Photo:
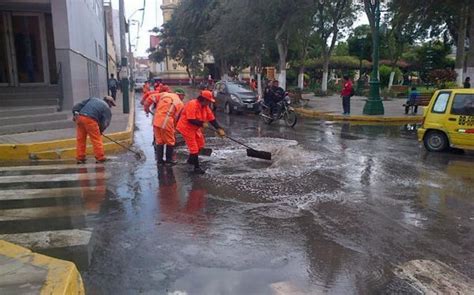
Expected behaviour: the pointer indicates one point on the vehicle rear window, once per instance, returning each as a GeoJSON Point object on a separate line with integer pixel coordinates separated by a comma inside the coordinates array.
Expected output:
{"type": "Point", "coordinates": [441, 102]}
{"type": "Point", "coordinates": [233, 88]}
{"type": "Point", "coordinates": [463, 104]}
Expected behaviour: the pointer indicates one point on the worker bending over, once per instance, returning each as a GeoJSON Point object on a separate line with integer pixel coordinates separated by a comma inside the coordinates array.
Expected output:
{"type": "Point", "coordinates": [168, 107]}
{"type": "Point", "coordinates": [92, 117]}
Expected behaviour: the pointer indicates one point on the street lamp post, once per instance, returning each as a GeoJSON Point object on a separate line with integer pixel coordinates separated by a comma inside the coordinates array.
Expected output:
{"type": "Point", "coordinates": [374, 105]}
{"type": "Point", "coordinates": [125, 82]}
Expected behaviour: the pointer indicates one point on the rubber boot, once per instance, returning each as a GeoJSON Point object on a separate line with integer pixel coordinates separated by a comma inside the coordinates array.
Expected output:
{"type": "Point", "coordinates": [159, 149]}
{"type": "Point", "coordinates": [169, 155]}
{"type": "Point", "coordinates": [190, 160]}
{"type": "Point", "coordinates": [197, 168]}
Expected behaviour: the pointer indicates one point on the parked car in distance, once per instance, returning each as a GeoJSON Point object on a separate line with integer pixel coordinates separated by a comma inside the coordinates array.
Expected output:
{"type": "Point", "coordinates": [448, 120]}
{"type": "Point", "coordinates": [139, 82]}
{"type": "Point", "coordinates": [232, 97]}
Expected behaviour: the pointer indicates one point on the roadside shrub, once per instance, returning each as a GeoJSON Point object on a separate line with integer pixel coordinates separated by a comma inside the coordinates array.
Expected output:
{"type": "Point", "coordinates": [385, 75]}
{"type": "Point", "coordinates": [441, 77]}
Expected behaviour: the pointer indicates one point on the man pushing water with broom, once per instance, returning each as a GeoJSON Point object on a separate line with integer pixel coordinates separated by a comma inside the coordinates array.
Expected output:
{"type": "Point", "coordinates": [195, 116]}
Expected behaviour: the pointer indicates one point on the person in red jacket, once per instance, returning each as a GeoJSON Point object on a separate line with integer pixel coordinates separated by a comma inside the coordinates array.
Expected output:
{"type": "Point", "coordinates": [194, 117]}
{"type": "Point", "coordinates": [346, 94]}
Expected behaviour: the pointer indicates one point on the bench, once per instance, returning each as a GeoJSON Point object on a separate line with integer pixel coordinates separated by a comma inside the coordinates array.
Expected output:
{"type": "Point", "coordinates": [399, 90]}
{"type": "Point", "coordinates": [421, 100]}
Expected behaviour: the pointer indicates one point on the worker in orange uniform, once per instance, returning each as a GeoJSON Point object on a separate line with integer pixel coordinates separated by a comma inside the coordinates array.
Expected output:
{"type": "Point", "coordinates": [168, 108]}
{"type": "Point", "coordinates": [151, 96]}
{"type": "Point", "coordinates": [196, 115]}
{"type": "Point", "coordinates": [92, 117]}
{"type": "Point", "coordinates": [146, 87]}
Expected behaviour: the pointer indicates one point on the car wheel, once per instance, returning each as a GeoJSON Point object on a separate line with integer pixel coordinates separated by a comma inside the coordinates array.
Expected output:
{"type": "Point", "coordinates": [435, 141]}
{"type": "Point", "coordinates": [227, 108]}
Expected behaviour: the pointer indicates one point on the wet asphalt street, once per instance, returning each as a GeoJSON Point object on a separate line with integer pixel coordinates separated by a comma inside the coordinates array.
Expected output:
{"type": "Point", "coordinates": [338, 210]}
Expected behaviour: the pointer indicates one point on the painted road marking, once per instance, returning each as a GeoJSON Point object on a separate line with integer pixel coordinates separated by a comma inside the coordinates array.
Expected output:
{"type": "Point", "coordinates": [50, 167]}
{"type": "Point", "coordinates": [54, 177]}
{"type": "Point", "coordinates": [434, 277]}
{"type": "Point", "coordinates": [40, 212]}
{"type": "Point", "coordinates": [58, 226]}
{"type": "Point", "coordinates": [26, 194]}
{"type": "Point", "coordinates": [51, 239]}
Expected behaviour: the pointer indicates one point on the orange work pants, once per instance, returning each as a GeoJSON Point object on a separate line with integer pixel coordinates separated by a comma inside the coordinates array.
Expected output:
{"type": "Point", "coordinates": [194, 140]}
{"type": "Point", "coordinates": [88, 126]}
{"type": "Point", "coordinates": [164, 136]}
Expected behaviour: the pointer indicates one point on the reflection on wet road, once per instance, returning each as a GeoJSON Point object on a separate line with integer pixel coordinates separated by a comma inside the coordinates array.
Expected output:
{"type": "Point", "coordinates": [339, 208]}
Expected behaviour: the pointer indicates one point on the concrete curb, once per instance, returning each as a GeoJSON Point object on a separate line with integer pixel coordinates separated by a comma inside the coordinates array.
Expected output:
{"type": "Point", "coordinates": [358, 118]}
{"type": "Point", "coordinates": [65, 148]}
{"type": "Point", "coordinates": [31, 270]}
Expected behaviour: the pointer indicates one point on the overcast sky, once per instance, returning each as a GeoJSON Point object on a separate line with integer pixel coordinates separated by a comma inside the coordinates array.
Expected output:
{"type": "Point", "coordinates": [153, 17]}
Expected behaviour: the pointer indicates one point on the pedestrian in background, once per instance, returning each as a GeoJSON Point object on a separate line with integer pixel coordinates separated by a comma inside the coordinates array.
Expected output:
{"type": "Point", "coordinates": [346, 93]}
{"type": "Point", "coordinates": [113, 85]}
{"type": "Point", "coordinates": [412, 100]}
{"type": "Point", "coordinates": [92, 117]}
{"type": "Point", "coordinates": [467, 82]}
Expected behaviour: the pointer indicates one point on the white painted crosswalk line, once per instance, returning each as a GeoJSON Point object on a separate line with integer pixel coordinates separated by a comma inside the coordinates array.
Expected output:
{"type": "Point", "coordinates": [51, 239]}
{"type": "Point", "coordinates": [54, 177]}
{"type": "Point", "coordinates": [50, 167]}
{"type": "Point", "coordinates": [40, 212]}
{"type": "Point", "coordinates": [53, 221]}
{"type": "Point", "coordinates": [27, 194]}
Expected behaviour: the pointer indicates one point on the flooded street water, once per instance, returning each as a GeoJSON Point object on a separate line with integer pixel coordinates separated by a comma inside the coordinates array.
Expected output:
{"type": "Point", "coordinates": [338, 209]}
{"type": "Point", "coordinates": [341, 209]}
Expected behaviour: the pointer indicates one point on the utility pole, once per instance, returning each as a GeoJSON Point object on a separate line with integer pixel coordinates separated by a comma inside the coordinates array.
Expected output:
{"type": "Point", "coordinates": [123, 63]}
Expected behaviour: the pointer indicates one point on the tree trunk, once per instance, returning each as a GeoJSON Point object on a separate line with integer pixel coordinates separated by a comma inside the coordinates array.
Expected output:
{"type": "Point", "coordinates": [282, 52]}
{"type": "Point", "coordinates": [470, 57]}
{"type": "Point", "coordinates": [259, 85]}
{"type": "Point", "coordinates": [281, 39]}
{"type": "Point", "coordinates": [390, 81]}
{"type": "Point", "coordinates": [324, 82]}
{"type": "Point", "coordinates": [460, 45]}
{"type": "Point", "coordinates": [301, 78]}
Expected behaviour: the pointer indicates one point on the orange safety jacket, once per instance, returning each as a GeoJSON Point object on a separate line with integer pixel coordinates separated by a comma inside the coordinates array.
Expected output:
{"type": "Point", "coordinates": [167, 111]}
{"type": "Point", "coordinates": [194, 110]}
{"type": "Point", "coordinates": [146, 88]}
{"type": "Point", "coordinates": [152, 97]}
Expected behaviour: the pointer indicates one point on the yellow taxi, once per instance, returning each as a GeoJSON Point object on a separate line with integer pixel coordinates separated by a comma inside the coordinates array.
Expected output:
{"type": "Point", "coordinates": [448, 120]}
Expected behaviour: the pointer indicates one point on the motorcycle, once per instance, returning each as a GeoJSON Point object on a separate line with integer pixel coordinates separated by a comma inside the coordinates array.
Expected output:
{"type": "Point", "coordinates": [287, 113]}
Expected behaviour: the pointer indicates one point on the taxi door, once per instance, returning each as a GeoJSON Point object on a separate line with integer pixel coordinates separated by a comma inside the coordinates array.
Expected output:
{"type": "Point", "coordinates": [460, 119]}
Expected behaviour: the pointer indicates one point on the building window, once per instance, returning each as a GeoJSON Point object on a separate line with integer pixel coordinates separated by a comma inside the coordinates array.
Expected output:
{"type": "Point", "coordinates": [175, 66]}
{"type": "Point", "coordinates": [101, 53]}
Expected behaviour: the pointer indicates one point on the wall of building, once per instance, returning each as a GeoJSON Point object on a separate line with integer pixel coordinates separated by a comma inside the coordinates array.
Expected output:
{"type": "Point", "coordinates": [80, 48]}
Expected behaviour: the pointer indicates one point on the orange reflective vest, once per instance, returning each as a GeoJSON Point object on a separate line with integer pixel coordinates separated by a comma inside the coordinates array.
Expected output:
{"type": "Point", "coordinates": [167, 111]}
{"type": "Point", "coordinates": [152, 97]}
{"type": "Point", "coordinates": [194, 110]}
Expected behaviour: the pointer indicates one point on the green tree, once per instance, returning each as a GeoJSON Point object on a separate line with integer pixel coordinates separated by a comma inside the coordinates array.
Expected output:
{"type": "Point", "coordinates": [330, 18]}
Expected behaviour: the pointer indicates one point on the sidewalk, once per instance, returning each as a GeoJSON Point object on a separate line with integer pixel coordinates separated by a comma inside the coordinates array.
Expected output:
{"type": "Point", "coordinates": [330, 108]}
{"type": "Point", "coordinates": [60, 143]}
{"type": "Point", "coordinates": [26, 272]}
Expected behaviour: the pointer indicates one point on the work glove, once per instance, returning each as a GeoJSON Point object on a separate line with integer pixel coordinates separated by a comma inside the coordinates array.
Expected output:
{"type": "Point", "coordinates": [220, 132]}
{"type": "Point", "coordinates": [74, 116]}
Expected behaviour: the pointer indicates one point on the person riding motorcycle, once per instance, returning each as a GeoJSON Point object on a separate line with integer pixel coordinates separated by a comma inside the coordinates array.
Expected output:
{"type": "Point", "coordinates": [276, 95]}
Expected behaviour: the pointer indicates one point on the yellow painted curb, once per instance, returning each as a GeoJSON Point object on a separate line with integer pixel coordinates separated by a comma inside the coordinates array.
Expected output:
{"type": "Point", "coordinates": [358, 118]}
{"type": "Point", "coordinates": [62, 276]}
{"type": "Point", "coordinates": [61, 149]}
